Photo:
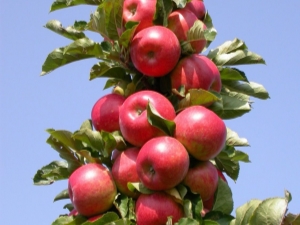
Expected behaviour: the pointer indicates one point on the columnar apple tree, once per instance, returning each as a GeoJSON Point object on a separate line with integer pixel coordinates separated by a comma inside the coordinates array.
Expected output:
{"type": "Point", "coordinates": [155, 150]}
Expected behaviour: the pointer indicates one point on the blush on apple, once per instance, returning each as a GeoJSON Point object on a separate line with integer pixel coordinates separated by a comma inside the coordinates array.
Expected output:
{"type": "Point", "coordinates": [141, 11]}
{"type": "Point", "coordinates": [197, 7]}
{"type": "Point", "coordinates": [124, 170]}
{"type": "Point", "coordinates": [201, 131]}
{"type": "Point", "coordinates": [202, 179]}
{"type": "Point", "coordinates": [134, 124]}
{"type": "Point", "coordinates": [195, 72]}
{"type": "Point", "coordinates": [162, 163]}
{"type": "Point", "coordinates": [155, 51]}
{"type": "Point", "coordinates": [105, 112]}
{"type": "Point", "coordinates": [154, 209]}
{"type": "Point", "coordinates": [92, 189]}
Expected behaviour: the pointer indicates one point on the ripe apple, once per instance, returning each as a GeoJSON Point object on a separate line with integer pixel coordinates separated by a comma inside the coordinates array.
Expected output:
{"type": "Point", "coordinates": [180, 21]}
{"type": "Point", "coordinates": [197, 7]}
{"type": "Point", "coordinates": [202, 179]}
{"type": "Point", "coordinates": [201, 131]}
{"type": "Point", "coordinates": [155, 51]}
{"type": "Point", "coordinates": [92, 189]}
{"type": "Point", "coordinates": [162, 163]}
{"type": "Point", "coordinates": [124, 170]}
{"type": "Point", "coordinates": [208, 204]}
{"type": "Point", "coordinates": [105, 112]}
{"type": "Point", "coordinates": [195, 72]}
{"type": "Point", "coordinates": [154, 209]}
{"type": "Point", "coordinates": [139, 11]}
{"type": "Point", "coordinates": [134, 124]}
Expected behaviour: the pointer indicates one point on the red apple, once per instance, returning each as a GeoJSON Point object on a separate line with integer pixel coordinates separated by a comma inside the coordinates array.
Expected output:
{"type": "Point", "coordinates": [180, 21]}
{"type": "Point", "coordinates": [134, 124]}
{"type": "Point", "coordinates": [197, 7]}
{"type": "Point", "coordinates": [105, 112]}
{"type": "Point", "coordinates": [91, 189]}
{"type": "Point", "coordinates": [124, 170]}
{"type": "Point", "coordinates": [154, 209]}
{"type": "Point", "coordinates": [195, 72]}
{"type": "Point", "coordinates": [201, 131]}
{"type": "Point", "coordinates": [202, 179]}
{"type": "Point", "coordinates": [141, 11]}
{"type": "Point", "coordinates": [162, 163]}
{"type": "Point", "coordinates": [94, 218]}
{"type": "Point", "coordinates": [155, 51]}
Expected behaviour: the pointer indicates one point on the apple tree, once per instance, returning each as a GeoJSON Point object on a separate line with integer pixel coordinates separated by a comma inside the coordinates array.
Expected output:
{"type": "Point", "coordinates": [155, 150]}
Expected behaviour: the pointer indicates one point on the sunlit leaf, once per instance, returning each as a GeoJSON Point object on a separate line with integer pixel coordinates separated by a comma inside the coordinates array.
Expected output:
{"type": "Point", "coordinates": [232, 74]}
{"type": "Point", "coordinates": [69, 220]}
{"type": "Point", "coordinates": [61, 4]}
{"type": "Point", "coordinates": [244, 212]}
{"type": "Point", "coordinates": [225, 163]}
{"type": "Point", "coordinates": [187, 221]}
{"type": "Point", "coordinates": [105, 219]}
{"type": "Point", "coordinates": [103, 69]}
{"type": "Point", "coordinates": [223, 198]}
{"type": "Point", "coordinates": [233, 139]}
{"type": "Point", "coordinates": [137, 186]}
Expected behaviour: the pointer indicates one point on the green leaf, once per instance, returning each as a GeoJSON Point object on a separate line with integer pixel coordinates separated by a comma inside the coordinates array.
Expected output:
{"type": "Point", "coordinates": [103, 69]}
{"type": "Point", "coordinates": [225, 163]}
{"type": "Point", "coordinates": [121, 204]}
{"type": "Point", "coordinates": [87, 124]}
{"type": "Point", "coordinates": [62, 195]}
{"type": "Point", "coordinates": [187, 221]}
{"type": "Point", "coordinates": [92, 139]}
{"type": "Point", "coordinates": [269, 211]}
{"type": "Point", "coordinates": [58, 58]}
{"type": "Point", "coordinates": [234, 53]}
{"type": "Point", "coordinates": [61, 4]}
{"type": "Point", "coordinates": [194, 208]}
{"type": "Point", "coordinates": [66, 138]}
{"type": "Point", "coordinates": [251, 88]}
{"type": "Point", "coordinates": [232, 74]}
{"type": "Point", "coordinates": [210, 222]}
{"type": "Point", "coordinates": [128, 34]}
{"type": "Point", "coordinates": [80, 25]}
{"type": "Point", "coordinates": [241, 156]}
{"type": "Point", "coordinates": [163, 10]}
{"type": "Point", "coordinates": [85, 46]}
{"type": "Point", "coordinates": [137, 186]}
{"type": "Point", "coordinates": [197, 97]}
{"type": "Point", "coordinates": [223, 198]}
{"type": "Point", "coordinates": [233, 139]}
{"type": "Point", "coordinates": [69, 220]}
{"type": "Point", "coordinates": [291, 219]}
{"type": "Point", "coordinates": [244, 212]}
{"type": "Point", "coordinates": [167, 126]}
{"type": "Point", "coordinates": [106, 219]}
{"type": "Point", "coordinates": [211, 33]}
{"type": "Point", "coordinates": [68, 32]}
{"type": "Point", "coordinates": [219, 217]}
{"type": "Point", "coordinates": [57, 170]}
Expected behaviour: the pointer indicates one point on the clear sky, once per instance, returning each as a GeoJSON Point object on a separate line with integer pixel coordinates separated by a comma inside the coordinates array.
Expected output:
{"type": "Point", "coordinates": [63, 100]}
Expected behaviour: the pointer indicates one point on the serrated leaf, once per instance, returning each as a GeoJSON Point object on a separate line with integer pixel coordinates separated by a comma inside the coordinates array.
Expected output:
{"type": "Point", "coordinates": [225, 163]}
{"type": "Point", "coordinates": [167, 126]}
{"type": "Point", "coordinates": [58, 58]}
{"type": "Point", "coordinates": [232, 74]}
{"type": "Point", "coordinates": [163, 10]}
{"type": "Point", "coordinates": [103, 69]}
{"type": "Point", "coordinates": [241, 156]}
{"type": "Point", "coordinates": [85, 46]}
{"type": "Point", "coordinates": [57, 170]}
{"type": "Point", "coordinates": [61, 4]}
{"type": "Point", "coordinates": [68, 32]}
{"type": "Point", "coordinates": [269, 212]}
{"type": "Point", "coordinates": [62, 195]}
{"type": "Point", "coordinates": [197, 97]}
{"type": "Point", "coordinates": [248, 88]}
{"type": "Point", "coordinates": [244, 212]}
{"type": "Point", "coordinates": [233, 139]}
{"type": "Point", "coordinates": [137, 186]}
{"type": "Point", "coordinates": [87, 124]}
{"type": "Point", "coordinates": [223, 198]}
{"type": "Point", "coordinates": [92, 139]}
{"type": "Point", "coordinates": [66, 138]}
{"type": "Point", "coordinates": [106, 219]}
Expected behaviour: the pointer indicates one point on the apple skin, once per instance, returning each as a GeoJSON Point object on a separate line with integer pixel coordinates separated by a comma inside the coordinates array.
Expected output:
{"type": "Point", "coordinates": [180, 21]}
{"type": "Point", "coordinates": [202, 179]}
{"type": "Point", "coordinates": [124, 171]}
{"type": "Point", "coordinates": [105, 112]}
{"type": "Point", "coordinates": [201, 131]}
{"type": "Point", "coordinates": [162, 163]}
{"type": "Point", "coordinates": [139, 11]}
{"type": "Point", "coordinates": [134, 124]}
{"type": "Point", "coordinates": [155, 51]}
{"type": "Point", "coordinates": [195, 72]}
{"type": "Point", "coordinates": [154, 209]}
{"type": "Point", "coordinates": [92, 189]}
{"type": "Point", "coordinates": [208, 204]}
{"type": "Point", "coordinates": [197, 7]}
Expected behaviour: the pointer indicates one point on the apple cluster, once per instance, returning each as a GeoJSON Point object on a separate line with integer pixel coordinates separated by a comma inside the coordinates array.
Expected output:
{"type": "Point", "coordinates": [154, 159]}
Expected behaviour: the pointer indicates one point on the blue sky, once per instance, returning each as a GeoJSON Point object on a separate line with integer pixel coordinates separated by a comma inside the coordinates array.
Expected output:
{"type": "Point", "coordinates": [63, 100]}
